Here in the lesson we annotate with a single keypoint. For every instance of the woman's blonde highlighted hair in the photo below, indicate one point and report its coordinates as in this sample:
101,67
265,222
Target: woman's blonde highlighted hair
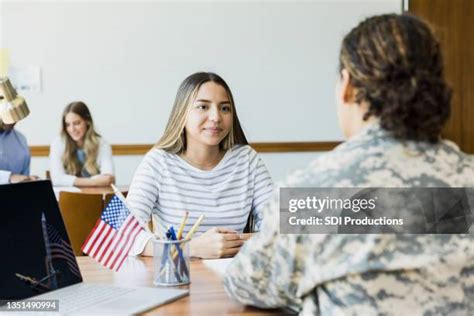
174,137
71,163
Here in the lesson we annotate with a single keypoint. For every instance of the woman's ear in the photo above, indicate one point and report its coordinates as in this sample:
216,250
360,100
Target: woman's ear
346,93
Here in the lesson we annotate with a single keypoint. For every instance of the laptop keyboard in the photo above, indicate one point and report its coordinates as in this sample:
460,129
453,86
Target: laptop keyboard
85,295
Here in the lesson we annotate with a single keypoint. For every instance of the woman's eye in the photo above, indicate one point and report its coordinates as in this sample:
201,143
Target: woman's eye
225,108
201,107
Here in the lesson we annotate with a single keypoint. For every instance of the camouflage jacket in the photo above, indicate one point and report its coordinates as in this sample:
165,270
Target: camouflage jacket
363,274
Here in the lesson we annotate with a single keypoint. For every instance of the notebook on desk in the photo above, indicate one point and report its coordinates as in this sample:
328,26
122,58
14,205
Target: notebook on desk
39,263
218,265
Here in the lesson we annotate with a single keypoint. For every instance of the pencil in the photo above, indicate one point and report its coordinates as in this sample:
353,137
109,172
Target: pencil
181,227
189,234
178,248
195,227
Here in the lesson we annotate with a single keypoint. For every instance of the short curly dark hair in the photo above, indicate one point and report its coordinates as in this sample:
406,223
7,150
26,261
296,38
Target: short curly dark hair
396,66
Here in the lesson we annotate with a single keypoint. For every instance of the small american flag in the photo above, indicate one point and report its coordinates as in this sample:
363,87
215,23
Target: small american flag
112,237
57,248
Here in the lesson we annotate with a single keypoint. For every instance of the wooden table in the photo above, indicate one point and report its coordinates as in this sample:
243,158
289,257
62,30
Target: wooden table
207,295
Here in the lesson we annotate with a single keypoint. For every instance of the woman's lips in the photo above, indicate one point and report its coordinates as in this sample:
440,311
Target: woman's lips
214,130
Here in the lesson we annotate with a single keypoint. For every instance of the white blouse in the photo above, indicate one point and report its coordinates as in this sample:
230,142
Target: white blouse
59,175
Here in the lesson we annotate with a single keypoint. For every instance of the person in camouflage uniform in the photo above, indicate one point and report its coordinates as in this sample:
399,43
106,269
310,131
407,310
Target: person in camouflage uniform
393,102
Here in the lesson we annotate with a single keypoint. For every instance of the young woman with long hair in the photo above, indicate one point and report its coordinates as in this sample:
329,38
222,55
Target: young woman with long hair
202,164
80,156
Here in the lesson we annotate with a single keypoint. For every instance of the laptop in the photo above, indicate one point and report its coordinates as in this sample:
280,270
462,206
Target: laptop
38,263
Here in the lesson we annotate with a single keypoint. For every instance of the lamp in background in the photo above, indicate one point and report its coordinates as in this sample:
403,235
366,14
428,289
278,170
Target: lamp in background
13,107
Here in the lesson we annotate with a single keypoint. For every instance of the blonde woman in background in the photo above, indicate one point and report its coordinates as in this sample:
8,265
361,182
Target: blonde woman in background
202,164
80,156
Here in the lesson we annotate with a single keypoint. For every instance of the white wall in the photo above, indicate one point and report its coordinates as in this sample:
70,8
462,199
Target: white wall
126,59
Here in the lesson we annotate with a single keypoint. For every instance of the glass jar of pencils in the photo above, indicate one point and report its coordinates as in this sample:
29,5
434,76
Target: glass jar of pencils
171,262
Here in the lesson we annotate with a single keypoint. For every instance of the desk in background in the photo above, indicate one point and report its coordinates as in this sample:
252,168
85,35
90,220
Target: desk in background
207,294
104,191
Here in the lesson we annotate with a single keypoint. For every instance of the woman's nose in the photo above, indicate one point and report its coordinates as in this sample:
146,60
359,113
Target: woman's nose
214,115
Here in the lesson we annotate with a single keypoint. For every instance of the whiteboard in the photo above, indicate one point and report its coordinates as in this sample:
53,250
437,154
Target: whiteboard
127,59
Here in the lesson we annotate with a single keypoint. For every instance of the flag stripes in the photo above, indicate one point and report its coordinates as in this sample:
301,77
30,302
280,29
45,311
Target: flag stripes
59,249
113,235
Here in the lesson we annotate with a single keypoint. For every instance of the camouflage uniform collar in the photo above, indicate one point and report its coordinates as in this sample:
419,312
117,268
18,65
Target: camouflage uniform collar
369,133
375,134
373,130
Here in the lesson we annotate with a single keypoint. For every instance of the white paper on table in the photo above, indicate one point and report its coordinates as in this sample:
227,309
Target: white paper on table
218,265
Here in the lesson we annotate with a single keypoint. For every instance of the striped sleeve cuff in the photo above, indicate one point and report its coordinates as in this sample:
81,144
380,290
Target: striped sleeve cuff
139,244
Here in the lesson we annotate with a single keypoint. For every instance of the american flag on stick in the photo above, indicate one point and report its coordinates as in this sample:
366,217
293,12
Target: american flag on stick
114,233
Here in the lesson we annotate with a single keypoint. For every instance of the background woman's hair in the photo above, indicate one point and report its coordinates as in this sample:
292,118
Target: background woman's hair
174,137
395,65
71,163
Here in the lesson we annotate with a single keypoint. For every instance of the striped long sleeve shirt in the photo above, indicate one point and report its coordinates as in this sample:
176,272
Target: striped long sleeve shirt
166,185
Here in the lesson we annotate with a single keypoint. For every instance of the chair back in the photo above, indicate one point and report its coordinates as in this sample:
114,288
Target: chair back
80,212
109,196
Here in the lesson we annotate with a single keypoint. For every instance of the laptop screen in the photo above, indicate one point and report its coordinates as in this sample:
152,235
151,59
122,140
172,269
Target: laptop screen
36,252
